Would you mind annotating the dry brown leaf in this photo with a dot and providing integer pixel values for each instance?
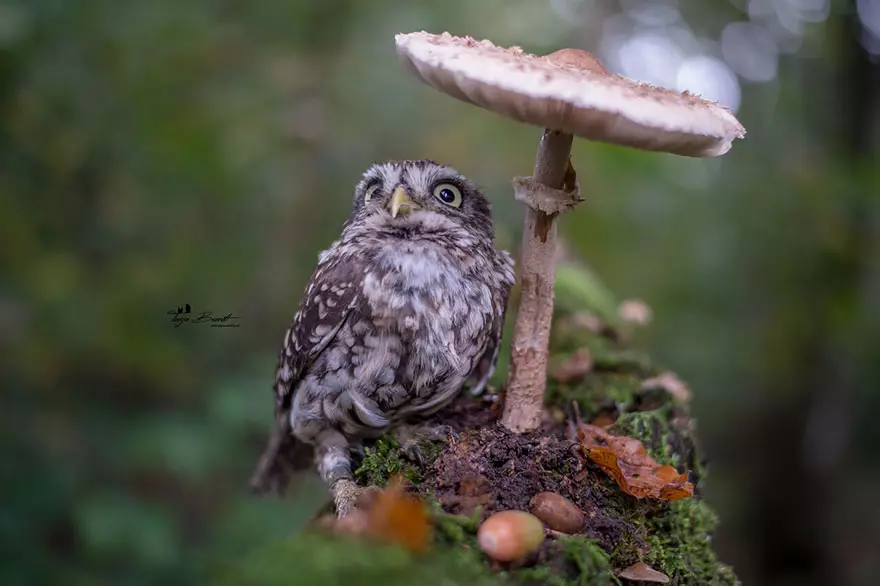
(626, 461)
(389, 515)
(400, 518)
(574, 367)
(642, 572)
(604, 420)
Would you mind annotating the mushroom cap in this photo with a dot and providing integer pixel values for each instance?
(569, 91)
(642, 572)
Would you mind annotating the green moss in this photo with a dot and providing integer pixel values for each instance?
(578, 288)
(317, 560)
(566, 340)
(596, 393)
(608, 354)
(668, 435)
(681, 545)
(652, 428)
(320, 559)
(626, 552)
(624, 361)
(457, 530)
(613, 384)
(580, 561)
(543, 575)
(593, 564)
(673, 537)
(382, 461)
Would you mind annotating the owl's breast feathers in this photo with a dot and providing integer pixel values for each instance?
(404, 324)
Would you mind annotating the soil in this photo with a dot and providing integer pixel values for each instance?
(495, 469)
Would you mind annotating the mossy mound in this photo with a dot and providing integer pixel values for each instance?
(488, 468)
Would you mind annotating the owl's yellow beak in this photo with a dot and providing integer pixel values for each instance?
(401, 202)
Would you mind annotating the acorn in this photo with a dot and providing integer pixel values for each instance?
(559, 513)
(510, 535)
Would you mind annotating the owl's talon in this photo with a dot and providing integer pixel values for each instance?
(413, 452)
(446, 432)
(442, 432)
(410, 438)
(348, 496)
(345, 496)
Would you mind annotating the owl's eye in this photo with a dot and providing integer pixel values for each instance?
(371, 191)
(448, 194)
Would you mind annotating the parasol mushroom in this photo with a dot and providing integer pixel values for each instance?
(568, 93)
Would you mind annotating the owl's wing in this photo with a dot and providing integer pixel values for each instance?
(332, 293)
(485, 367)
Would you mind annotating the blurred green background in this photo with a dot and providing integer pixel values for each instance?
(160, 153)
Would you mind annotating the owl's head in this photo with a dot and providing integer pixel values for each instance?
(421, 194)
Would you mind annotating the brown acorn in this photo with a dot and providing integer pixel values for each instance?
(557, 512)
(510, 535)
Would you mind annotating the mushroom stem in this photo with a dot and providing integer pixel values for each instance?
(528, 362)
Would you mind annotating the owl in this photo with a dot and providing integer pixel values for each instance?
(404, 310)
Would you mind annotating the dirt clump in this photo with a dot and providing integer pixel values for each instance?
(495, 469)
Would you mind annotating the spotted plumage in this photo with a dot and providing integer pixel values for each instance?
(404, 310)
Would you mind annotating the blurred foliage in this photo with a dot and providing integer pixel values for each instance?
(160, 153)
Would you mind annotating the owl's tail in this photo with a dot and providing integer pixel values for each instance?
(283, 457)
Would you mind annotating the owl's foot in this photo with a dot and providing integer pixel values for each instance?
(410, 437)
(347, 496)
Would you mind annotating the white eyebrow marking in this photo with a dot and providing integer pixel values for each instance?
(390, 175)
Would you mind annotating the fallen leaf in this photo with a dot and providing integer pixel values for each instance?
(677, 489)
(626, 461)
(574, 367)
(389, 515)
(400, 518)
(669, 382)
(604, 420)
(642, 572)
